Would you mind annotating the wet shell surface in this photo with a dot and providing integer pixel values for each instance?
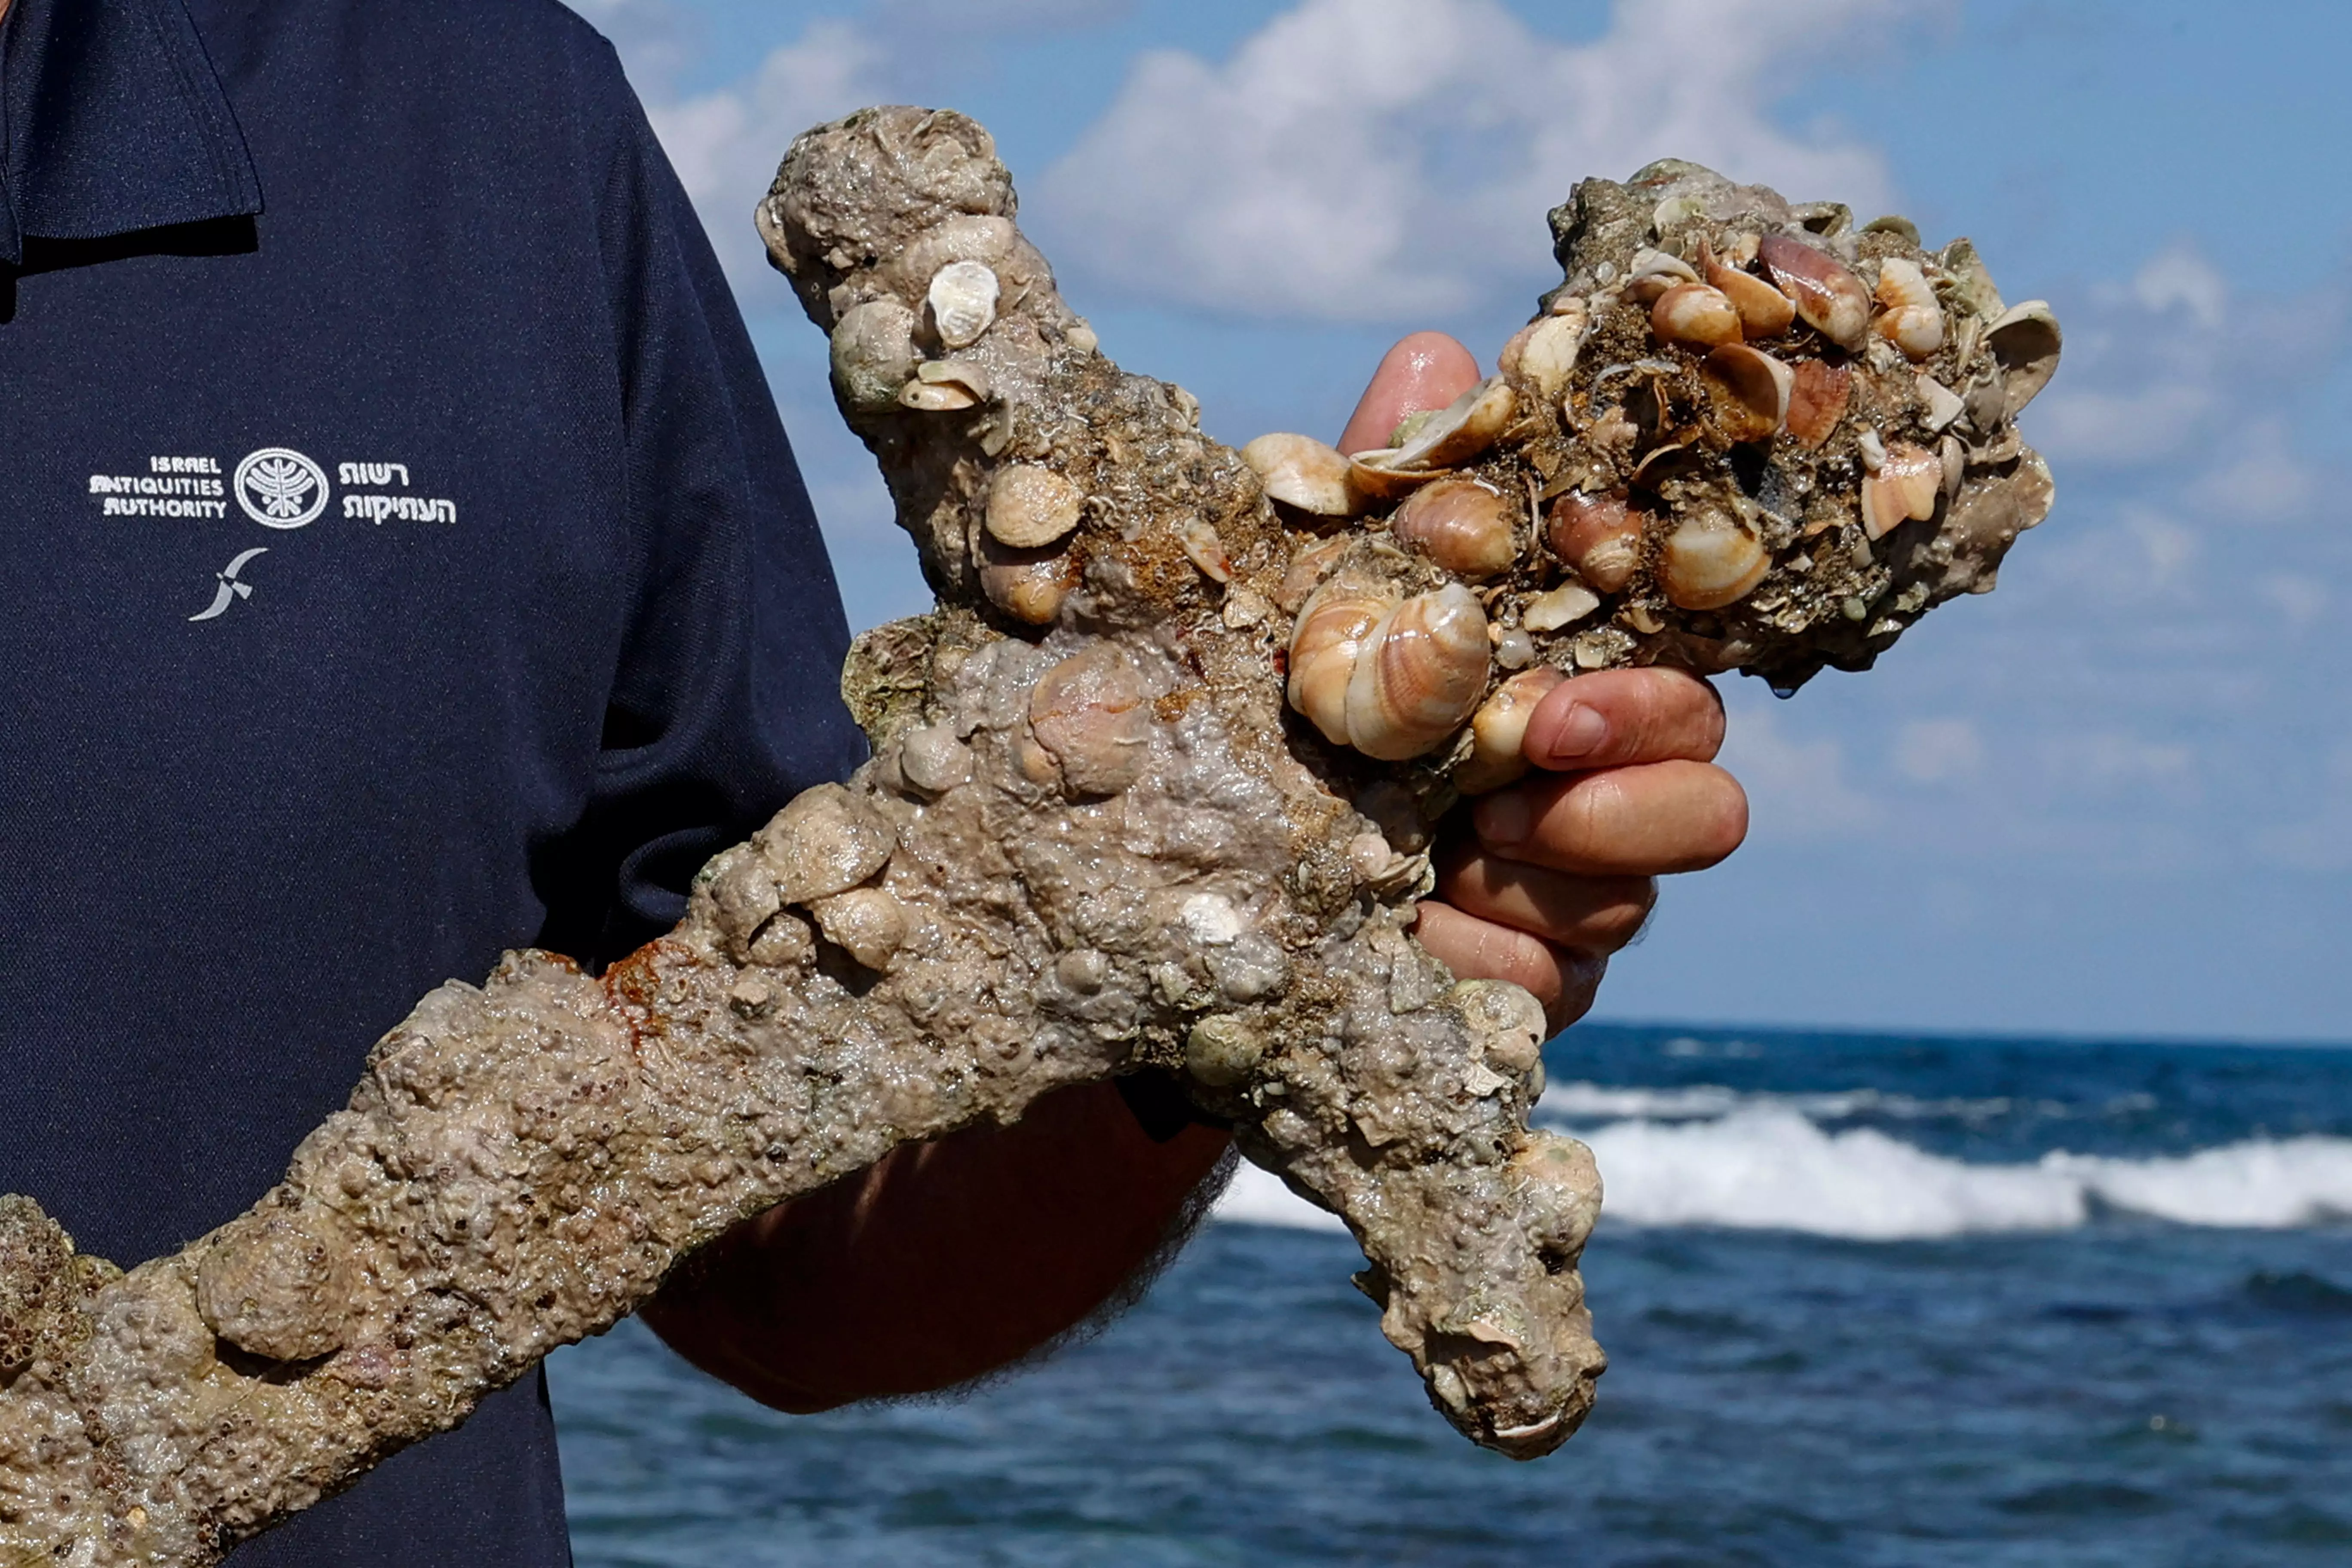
(1751, 392)
(1499, 731)
(1695, 314)
(1764, 311)
(1824, 289)
(1710, 561)
(1462, 525)
(1598, 536)
(1419, 676)
(1332, 630)
(1030, 507)
(1302, 472)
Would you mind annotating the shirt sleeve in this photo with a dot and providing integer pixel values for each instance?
(725, 700)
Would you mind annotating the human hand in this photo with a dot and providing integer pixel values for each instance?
(1551, 876)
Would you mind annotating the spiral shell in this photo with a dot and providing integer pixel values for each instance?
(1419, 676)
(867, 922)
(1711, 560)
(1462, 525)
(1499, 731)
(872, 355)
(1448, 439)
(1332, 629)
(1825, 291)
(1598, 536)
(1697, 315)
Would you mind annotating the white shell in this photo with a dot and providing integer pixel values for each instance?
(1944, 405)
(1300, 472)
(962, 300)
(1562, 606)
(2025, 343)
(1913, 321)
(1695, 315)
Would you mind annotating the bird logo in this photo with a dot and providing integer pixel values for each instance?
(230, 588)
(280, 488)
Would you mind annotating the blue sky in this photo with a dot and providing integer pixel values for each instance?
(2115, 797)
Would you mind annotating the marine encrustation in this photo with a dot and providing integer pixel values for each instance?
(1152, 786)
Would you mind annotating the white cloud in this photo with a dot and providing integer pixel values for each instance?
(1797, 788)
(2179, 276)
(2259, 479)
(1384, 159)
(1939, 751)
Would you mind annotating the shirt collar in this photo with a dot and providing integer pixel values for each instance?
(114, 122)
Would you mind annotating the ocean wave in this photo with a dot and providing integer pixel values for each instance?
(1770, 1167)
(1580, 1102)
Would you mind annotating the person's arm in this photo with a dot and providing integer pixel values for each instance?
(950, 1260)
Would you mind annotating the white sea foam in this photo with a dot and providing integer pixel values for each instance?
(1765, 1165)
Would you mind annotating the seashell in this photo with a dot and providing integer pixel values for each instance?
(1462, 525)
(1902, 228)
(1092, 711)
(2025, 343)
(1695, 315)
(1944, 405)
(944, 385)
(1513, 649)
(1711, 560)
(1598, 536)
(1081, 337)
(1027, 585)
(1221, 1050)
(1331, 631)
(1306, 573)
(1544, 352)
(1817, 401)
(1419, 676)
(1507, 1027)
(1460, 431)
(1764, 311)
(1872, 449)
(1825, 291)
(1030, 507)
(962, 302)
(872, 355)
(1302, 472)
(936, 397)
(1750, 390)
(1653, 273)
(1206, 550)
(825, 841)
(867, 922)
(1562, 606)
(934, 759)
(1499, 731)
(1902, 487)
(1955, 460)
(1914, 322)
(985, 238)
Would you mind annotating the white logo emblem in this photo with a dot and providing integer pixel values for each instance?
(231, 590)
(279, 488)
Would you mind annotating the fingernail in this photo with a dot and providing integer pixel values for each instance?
(1580, 734)
(1502, 818)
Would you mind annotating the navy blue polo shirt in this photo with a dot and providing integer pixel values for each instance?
(402, 562)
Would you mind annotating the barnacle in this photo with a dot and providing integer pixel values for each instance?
(1094, 835)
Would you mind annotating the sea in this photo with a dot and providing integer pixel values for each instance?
(1868, 1299)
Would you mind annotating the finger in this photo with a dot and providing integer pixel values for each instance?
(1617, 716)
(1427, 369)
(1473, 948)
(1592, 914)
(1650, 820)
